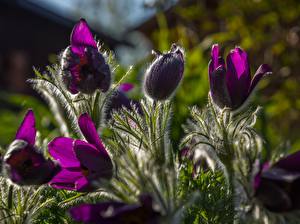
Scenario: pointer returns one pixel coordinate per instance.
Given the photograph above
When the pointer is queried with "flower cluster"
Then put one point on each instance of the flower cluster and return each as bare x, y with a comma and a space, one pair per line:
135, 165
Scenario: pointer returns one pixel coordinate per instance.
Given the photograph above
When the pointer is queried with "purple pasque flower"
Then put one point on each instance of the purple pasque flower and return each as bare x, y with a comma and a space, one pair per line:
277, 186
83, 162
117, 212
84, 67
164, 74
119, 99
23, 163
231, 85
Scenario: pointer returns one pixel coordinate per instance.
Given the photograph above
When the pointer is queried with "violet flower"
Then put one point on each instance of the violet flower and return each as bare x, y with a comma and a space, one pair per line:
119, 99
231, 85
23, 163
117, 212
84, 67
277, 187
83, 162
164, 74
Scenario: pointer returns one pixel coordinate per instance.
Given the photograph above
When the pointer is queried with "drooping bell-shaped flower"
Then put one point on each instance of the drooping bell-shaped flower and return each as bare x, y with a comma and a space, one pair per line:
231, 84
119, 99
117, 212
83, 163
277, 187
84, 67
23, 163
164, 74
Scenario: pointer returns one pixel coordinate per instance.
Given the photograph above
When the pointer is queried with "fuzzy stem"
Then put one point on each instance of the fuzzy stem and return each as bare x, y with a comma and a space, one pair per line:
227, 157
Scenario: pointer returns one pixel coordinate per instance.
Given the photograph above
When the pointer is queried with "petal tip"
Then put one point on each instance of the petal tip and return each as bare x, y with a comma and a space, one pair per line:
126, 87
266, 69
216, 45
81, 37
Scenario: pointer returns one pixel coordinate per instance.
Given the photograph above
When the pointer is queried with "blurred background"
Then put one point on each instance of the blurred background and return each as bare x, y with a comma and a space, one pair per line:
33, 32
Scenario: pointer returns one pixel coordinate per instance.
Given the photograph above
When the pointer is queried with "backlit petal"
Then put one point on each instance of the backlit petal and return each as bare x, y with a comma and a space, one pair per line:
27, 130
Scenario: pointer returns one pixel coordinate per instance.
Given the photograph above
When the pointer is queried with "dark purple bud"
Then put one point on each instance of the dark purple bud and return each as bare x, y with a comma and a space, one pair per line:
231, 86
277, 187
117, 212
24, 165
84, 67
164, 74
119, 99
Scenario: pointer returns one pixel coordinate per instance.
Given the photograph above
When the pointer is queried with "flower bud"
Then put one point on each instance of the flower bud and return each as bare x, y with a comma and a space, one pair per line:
164, 74
120, 100
231, 83
24, 165
84, 68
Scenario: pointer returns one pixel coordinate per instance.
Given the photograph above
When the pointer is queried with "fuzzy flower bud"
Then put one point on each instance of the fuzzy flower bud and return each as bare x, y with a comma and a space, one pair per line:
84, 67
164, 74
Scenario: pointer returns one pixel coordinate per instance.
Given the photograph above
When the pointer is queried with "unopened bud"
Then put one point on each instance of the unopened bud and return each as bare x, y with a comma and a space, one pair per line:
164, 74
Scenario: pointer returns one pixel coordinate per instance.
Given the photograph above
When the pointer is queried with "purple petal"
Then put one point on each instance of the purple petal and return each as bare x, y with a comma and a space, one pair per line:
66, 179
73, 89
217, 81
94, 212
218, 87
98, 163
74, 78
215, 51
61, 149
257, 179
89, 131
278, 174
82, 184
81, 37
125, 87
216, 60
238, 76
264, 69
185, 152
290, 163
273, 196
27, 130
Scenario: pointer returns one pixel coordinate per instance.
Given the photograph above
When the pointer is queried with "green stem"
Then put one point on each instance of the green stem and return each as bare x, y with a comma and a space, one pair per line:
10, 196
72, 198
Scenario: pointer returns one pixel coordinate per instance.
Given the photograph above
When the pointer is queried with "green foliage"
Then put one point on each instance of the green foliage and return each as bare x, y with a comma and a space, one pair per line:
21, 205
144, 158
213, 204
